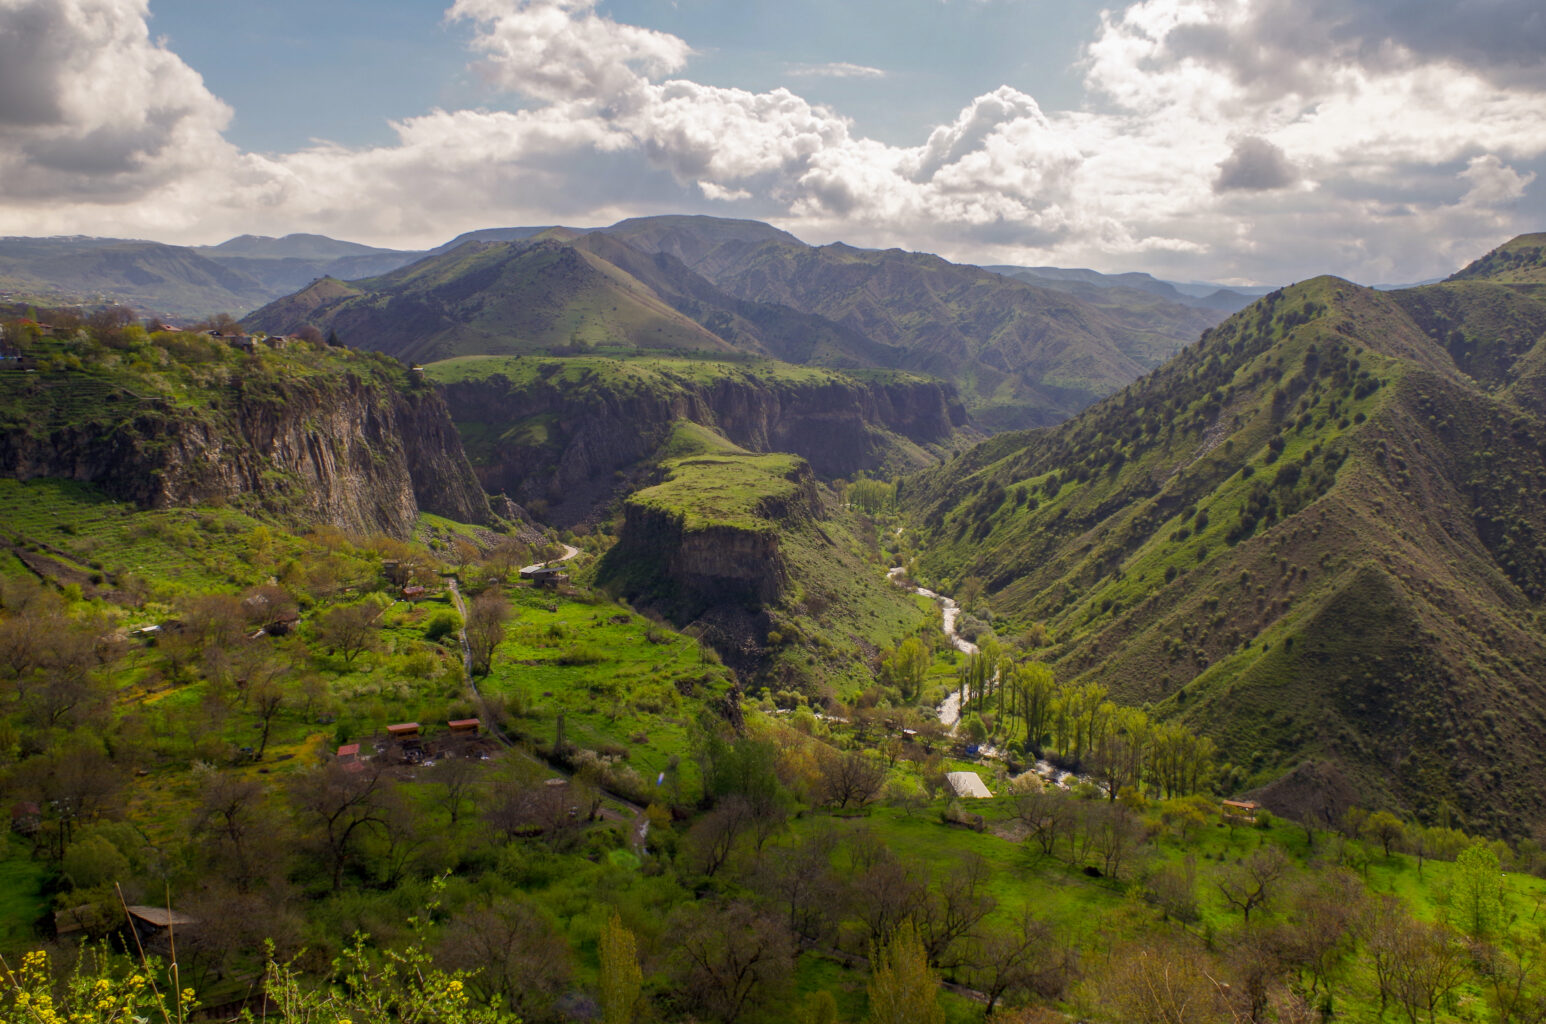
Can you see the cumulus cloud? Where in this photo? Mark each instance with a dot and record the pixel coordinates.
(1492, 182)
(1255, 165)
(1179, 162)
(563, 50)
(91, 106)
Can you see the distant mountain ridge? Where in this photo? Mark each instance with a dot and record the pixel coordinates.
(1019, 354)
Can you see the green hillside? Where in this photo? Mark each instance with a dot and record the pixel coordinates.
(1521, 260)
(1021, 355)
(493, 298)
(1314, 536)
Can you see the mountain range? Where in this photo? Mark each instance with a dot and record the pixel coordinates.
(1024, 346)
(1018, 353)
(1316, 535)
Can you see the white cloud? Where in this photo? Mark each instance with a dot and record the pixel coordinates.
(836, 69)
(1202, 113)
(1492, 182)
(92, 109)
(563, 50)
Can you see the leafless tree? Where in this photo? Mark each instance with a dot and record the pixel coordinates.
(458, 775)
(1048, 814)
(236, 827)
(1253, 882)
(349, 629)
(1019, 962)
(515, 953)
(729, 959)
(713, 838)
(337, 805)
(954, 909)
(801, 882)
(486, 628)
(849, 778)
(883, 896)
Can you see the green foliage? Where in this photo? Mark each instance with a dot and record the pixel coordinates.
(620, 976)
(902, 989)
(1477, 892)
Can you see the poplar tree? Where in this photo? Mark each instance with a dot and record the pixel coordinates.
(620, 975)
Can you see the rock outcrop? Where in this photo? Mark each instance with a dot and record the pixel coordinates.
(353, 450)
(569, 443)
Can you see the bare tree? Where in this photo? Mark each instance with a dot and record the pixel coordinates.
(458, 775)
(486, 628)
(514, 951)
(713, 837)
(1253, 882)
(1019, 962)
(849, 778)
(266, 698)
(337, 805)
(885, 895)
(349, 629)
(1048, 814)
(954, 909)
(800, 880)
(236, 828)
(730, 959)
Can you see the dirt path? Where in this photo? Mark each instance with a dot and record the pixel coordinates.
(638, 823)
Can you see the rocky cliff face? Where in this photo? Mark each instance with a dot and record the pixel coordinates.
(350, 450)
(568, 444)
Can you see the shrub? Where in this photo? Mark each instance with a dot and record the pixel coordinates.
(442, 625)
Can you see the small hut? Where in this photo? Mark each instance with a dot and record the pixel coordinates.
(1240, 810)
(967, 785)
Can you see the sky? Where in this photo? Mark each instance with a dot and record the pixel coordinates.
(1239, 141)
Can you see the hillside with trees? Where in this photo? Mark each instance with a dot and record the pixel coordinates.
(1312, 537)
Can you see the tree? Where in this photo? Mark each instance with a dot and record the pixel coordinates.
(902, 988)
(1253, 882)
(620, 975)
(337, 806)
(1476, 894)
(803, 884)
(906, 667)
(486, 628)
(1047, 814)
(954, 909)
(1032, 688)
(1161, 982)
(1018, 962)
(235, 826)
(457, 775)
(729, 959)
(512, 951)
(349, 629)
(1384, 828)
(852, 777)
(266, 698)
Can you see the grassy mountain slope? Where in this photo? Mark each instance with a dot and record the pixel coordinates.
(1521, 260)
(1312, 535)
(494, 298)
(1020, 355)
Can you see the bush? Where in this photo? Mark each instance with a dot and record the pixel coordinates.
(443, 624)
